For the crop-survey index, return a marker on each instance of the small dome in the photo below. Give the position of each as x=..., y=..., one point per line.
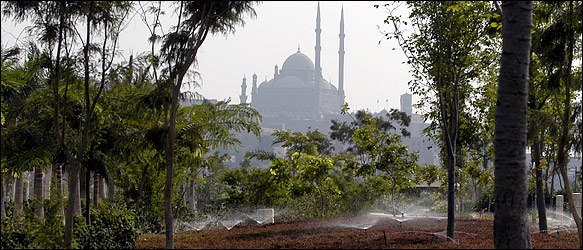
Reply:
x=266, y=84
x=290, y=82
x=297, y=61
x=324, y=84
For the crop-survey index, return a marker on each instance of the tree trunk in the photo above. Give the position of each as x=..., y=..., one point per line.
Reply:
x=511, y=229
x=10, y=185
x=38, y=192
x=87, y=196
x=72, y=208
x=540, y=195
x=111, y=190
x=142, y=184
x=95, y=189
x=447, y=121
x=564, y=144
x=25, y=187
x=101, y=188
x=68, y=237
x=82, y=184
x=58, y=187
x=47, y=182
x=2, y=199
x=191, y=197
x=553, y=183
x=78, y=196
x=18, y=193
x=169, y=219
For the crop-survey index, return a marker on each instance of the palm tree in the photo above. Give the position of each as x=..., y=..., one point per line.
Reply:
x=52, y=25
x=24, y=142
x=511, y=229
x=196, y=20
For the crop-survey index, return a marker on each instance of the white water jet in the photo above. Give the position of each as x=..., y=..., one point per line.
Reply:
x=406, y=217
x=559, y=221
x=229, y=224
x=199, y=225
x=261, y=216
x=195, y=224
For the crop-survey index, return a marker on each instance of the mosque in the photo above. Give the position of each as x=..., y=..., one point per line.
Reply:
x=298, y=98
x=298, y=92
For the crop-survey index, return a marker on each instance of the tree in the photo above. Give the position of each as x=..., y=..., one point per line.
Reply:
x=180, y=47
x=570, y=26
x=94, y=13
x=25, y=143
x=511, y=229
x=447, y=50
x=305, y=174
x=378, y=148
x=552, y=91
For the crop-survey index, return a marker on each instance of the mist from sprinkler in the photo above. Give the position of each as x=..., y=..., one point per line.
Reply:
x=229, y=224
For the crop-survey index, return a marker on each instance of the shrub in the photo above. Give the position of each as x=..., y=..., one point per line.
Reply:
x=112, y=227
x=15, y=235
x=485, y=201
x=29, y=231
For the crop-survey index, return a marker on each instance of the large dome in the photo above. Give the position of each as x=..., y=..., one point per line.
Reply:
x=290, y=82
x=297, y=61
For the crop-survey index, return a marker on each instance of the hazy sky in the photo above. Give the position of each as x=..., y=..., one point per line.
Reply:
x=374, y=74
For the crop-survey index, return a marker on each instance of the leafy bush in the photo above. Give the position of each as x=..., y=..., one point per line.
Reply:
x=112, y=227
x=148, y=221
x=29, y=231
x=485, y=201
x=15, y=235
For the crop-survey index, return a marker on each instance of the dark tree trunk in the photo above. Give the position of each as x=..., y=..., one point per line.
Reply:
x=511, y=229
x=38, y=192
x=78, y=195
x=82, y=183
x=101, y=188
x=142, y=184
x=18, y=196
x=95, y=189
x=111, y=190
x=76, y=164
x=58, y=187
x=2, y=199
x=540, y=196
x=87, y=196
x=564, y=144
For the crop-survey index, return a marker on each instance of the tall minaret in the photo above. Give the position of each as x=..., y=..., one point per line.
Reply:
x=341, y=57
x=243, y=95
x=318, y=74
x=254, y=88
x=275, y=71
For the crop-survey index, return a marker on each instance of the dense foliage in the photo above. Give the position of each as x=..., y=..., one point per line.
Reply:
x=137, y=160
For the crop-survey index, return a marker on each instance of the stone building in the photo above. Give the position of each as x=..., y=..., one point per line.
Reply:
x=298, y=97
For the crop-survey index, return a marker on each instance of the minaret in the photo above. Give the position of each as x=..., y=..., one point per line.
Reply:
x=254, y=88
x=243, y=95
x=318, y=74
x=341, y=57
x=275, y=73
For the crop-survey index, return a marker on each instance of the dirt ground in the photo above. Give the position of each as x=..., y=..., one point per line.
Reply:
x=424, y=233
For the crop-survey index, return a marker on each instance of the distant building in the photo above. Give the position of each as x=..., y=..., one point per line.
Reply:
x=192, y=102
x=298, y=97
x=417, y=142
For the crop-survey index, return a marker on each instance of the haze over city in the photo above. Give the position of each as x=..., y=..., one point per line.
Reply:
x=374, y=75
